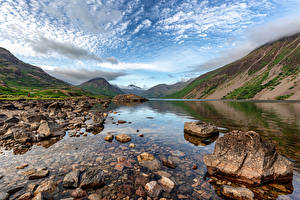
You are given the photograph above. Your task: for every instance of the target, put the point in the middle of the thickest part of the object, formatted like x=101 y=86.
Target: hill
x=269 y=72
x=163 y=90
x=99 y=86
x=133 y=89
x=15 y=73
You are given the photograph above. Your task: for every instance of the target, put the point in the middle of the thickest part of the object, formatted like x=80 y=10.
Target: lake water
x=162 y=122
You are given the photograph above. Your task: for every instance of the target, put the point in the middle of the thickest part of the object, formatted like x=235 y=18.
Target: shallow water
x=161 y=122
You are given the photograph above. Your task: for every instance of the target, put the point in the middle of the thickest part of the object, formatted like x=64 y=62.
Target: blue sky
x=140 y=42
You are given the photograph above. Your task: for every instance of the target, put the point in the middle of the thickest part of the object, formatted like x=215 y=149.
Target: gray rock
x=153 y=189
x=238 y=193
x=200 y=129
x=71 y=180
x=245 y=157
x=4 y=195
x=92 y=178
x=48 y=129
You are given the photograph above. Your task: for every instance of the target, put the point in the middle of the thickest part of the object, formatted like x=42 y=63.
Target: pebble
x=22 y=166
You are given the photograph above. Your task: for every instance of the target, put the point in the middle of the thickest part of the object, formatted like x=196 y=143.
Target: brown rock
x=123 y=138
x=78 y=193
x=238 y=193
x=22 y=166
x=167 y=184
x=109 y=138
x=153 y=189
x=200 y=129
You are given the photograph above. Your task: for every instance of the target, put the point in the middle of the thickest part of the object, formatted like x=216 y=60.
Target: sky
x=141 y=42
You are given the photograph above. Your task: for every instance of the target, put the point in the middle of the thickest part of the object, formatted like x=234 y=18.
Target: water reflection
x=198 y=141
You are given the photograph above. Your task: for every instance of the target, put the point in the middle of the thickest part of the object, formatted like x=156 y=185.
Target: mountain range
x=268 y=72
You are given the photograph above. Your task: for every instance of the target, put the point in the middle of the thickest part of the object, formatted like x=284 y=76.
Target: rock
x=78 y=193
x=169 y=163
x=123 y=138
x=12 y=120
x=35 y=118
x=163 y=173
x=92 y=178
x=22 y=166
x=47 y=187
x=238 y=193
x=94 y=196
x=25 y=196
x=36 y=173
x=109 y=138
x=149 y=161
x=131 y=145
x=195 y=167
x=167 y=184
x=140 y=192
x=200 y=129
x=47 y=129
x=71 y=180
x=4 y=195
x=141 y=180
x=121 y=122
x=153 y=189
x=245 y=157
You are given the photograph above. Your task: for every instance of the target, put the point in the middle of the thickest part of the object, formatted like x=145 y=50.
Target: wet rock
x=141 y=180
x=47 y=187
x=47 y=129
x=140 y=192
x=149 y=161
x=94 y=196
x=36 y=173
x=71 y=180
x=163 y=173
x=167 y=184
x=238 y=193
x=4 y=195
x=245 y=157
x=12 y=120
x=121 y=122
x=131 y=145
x=78 y=193
x=169 y=163
x=123 y=138
x=22 y=166
x=153 y=189
x=92 y=178
x=25 y=196
x=200 y=129
x=109 y=138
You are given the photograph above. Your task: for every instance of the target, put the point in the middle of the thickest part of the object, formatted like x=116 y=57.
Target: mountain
x=133 y=89
x=100 y=86
x=269 y=72
x=163 y=90
x=15 y=73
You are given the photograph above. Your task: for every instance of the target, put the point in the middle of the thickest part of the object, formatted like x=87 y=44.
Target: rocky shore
x=114 y=165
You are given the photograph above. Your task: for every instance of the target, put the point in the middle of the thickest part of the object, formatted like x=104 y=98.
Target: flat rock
x=92 y=178
x=247 y=158
x=109 y=138
x=36 y=173
x=166 y=183
x=200 y=129
x=149 y=161
x=71 y=180
x=123 y=138
x=47 y=187
x=238 y=193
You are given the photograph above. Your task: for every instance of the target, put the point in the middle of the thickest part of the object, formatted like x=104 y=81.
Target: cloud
x=46 y=46
x=80 y=75
x=255 y=37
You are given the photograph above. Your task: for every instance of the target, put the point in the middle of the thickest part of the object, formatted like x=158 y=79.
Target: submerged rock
x=238 y=193
x=200 y=129
x=245 y=157
x=109 y=138
x=92 y=178
x=153 y=189
x=71 y=180
x=167 y=184
x=149 y=161
x=123 y=138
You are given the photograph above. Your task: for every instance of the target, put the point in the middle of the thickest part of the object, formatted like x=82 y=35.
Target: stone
x=140 y=192
x=121 y=122
x=92 y=178
x=94 y=196
x=163 y=173
x=47 y=187
x=36 y=173
x=109 y=138
x=149 y=161
x=238 y=193
x=169 y=163
x=247 y=158
x=4 y=195
x=48 y=129
x=129 y=98
x=200 y=129
x=22 y=166
x=131 y=145
x=25 y=196
x=78 y=193
x=166 y=183
x=153 y=189
x=123 y=138
x=71 y=180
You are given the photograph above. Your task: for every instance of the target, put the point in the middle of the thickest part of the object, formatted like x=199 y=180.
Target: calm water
x=161 y=122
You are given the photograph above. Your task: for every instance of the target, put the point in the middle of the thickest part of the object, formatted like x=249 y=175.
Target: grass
x=284 y=96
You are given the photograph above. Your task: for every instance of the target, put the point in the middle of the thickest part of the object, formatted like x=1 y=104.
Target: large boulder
x=245 y=157
x=200 y=129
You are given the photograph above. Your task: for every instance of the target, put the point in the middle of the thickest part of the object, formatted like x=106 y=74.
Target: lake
x=161 y=122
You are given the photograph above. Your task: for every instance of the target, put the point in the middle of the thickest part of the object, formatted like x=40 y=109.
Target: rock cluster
x=129 y=98
x=247 y=158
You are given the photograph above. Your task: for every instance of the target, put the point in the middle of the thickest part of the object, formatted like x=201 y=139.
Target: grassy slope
x=283 y=52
